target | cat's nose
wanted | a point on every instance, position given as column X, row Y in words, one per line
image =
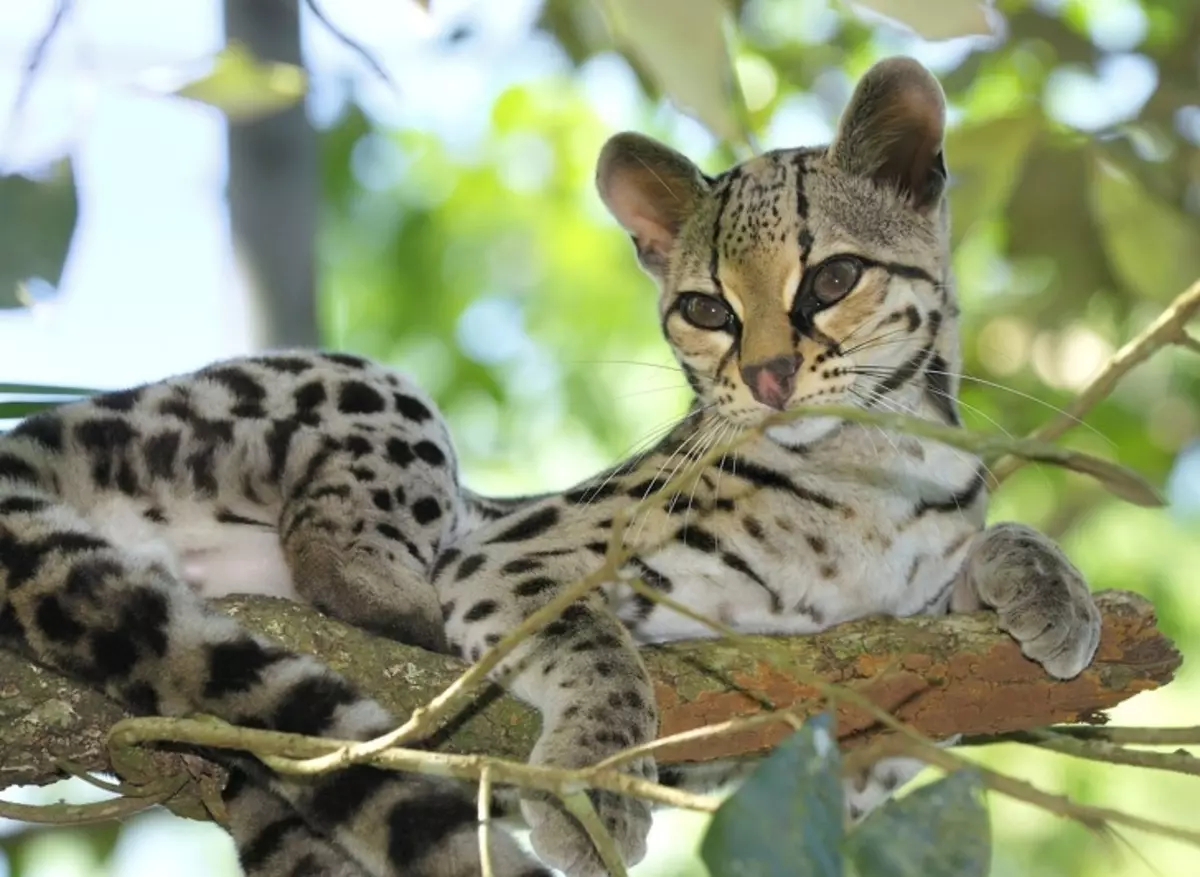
column 772, row 382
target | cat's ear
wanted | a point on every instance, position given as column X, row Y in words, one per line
column 651, row 190
column 892, row 131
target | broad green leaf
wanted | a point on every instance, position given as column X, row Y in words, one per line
column 245, row 88
column 37, row 221
column 985, row 161
column 1053, row 241
column 934, row 19
column 1152, row 246
column 681, row 44
column 786, row 819
column 939, row 830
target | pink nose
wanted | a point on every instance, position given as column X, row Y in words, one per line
column 773, row 381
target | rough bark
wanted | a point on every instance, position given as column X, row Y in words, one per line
column 944, row 675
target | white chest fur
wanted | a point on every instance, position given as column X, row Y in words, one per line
column 884, row 534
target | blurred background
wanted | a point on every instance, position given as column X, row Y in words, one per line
column 166, row 202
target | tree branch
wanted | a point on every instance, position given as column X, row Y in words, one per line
column 33, row 64
column 949, row 675
column 1167, row 329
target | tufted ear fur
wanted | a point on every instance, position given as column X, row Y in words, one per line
column 892, row 131
column 651, row 190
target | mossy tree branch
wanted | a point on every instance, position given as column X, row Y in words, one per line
column 949, row 675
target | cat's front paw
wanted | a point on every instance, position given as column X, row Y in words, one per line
column 557, row 837
column 1040, row 597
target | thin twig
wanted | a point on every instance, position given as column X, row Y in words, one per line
column 1061, row 805
column 351, row 43
column 485, row 821
column 708, row 732
column 1122, row 481
column 1183, row 736
column 80, row 773
column 33, row 64
column 579, row 805
column 94, row 812
column 293, row 754
column 1166, row 329
column 1190, row 342
column 1180, row 761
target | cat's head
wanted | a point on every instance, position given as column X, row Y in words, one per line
column 804, row 276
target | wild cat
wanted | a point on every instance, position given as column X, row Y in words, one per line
column 802, row 276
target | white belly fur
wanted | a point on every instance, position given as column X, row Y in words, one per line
column 214, row 559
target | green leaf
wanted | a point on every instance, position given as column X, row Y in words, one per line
column 934, row 19
column 37, row 221
column 985, row 161
column 40, row 390
column 681, row 45
column 939, row 830
column 1063, row 260
column 13, row 410
column 245, row 88
column 786, row 819
column 1152, row 246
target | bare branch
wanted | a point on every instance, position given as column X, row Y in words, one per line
column 33, row 64
column 940, row 675
column 1167, row 329
column 351, row 43
column 1189, row 342
column 1098, row 818
column 129, row 804
column 1180, row 761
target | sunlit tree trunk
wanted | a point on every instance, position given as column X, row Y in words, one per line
column 273, row 186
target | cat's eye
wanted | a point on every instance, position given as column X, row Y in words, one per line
column 705, row 311
column 835, row 278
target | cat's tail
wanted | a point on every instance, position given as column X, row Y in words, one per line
column 77, row 602
column 273, row 841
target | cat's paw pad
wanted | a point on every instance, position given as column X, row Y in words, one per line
column 1039, row 596
column 863, row 792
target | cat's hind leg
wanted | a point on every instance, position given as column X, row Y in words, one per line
column 79, row 603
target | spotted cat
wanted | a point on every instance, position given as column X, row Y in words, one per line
column 802, row 276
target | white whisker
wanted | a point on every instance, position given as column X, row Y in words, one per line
column 652, row 390
column 663, row 366
column 694, row 440
column 643, row 446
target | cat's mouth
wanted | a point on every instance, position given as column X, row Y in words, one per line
column 750, row 413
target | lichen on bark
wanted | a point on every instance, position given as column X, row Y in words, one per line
column 956, row 674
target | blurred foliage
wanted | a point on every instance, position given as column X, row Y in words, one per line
column 485, row 266
column 682, row 47
column 21, row 400
column 37, row 222
column 244, row 87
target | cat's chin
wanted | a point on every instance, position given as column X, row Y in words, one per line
column 802, row 430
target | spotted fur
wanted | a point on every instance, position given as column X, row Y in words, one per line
column 329, row 479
